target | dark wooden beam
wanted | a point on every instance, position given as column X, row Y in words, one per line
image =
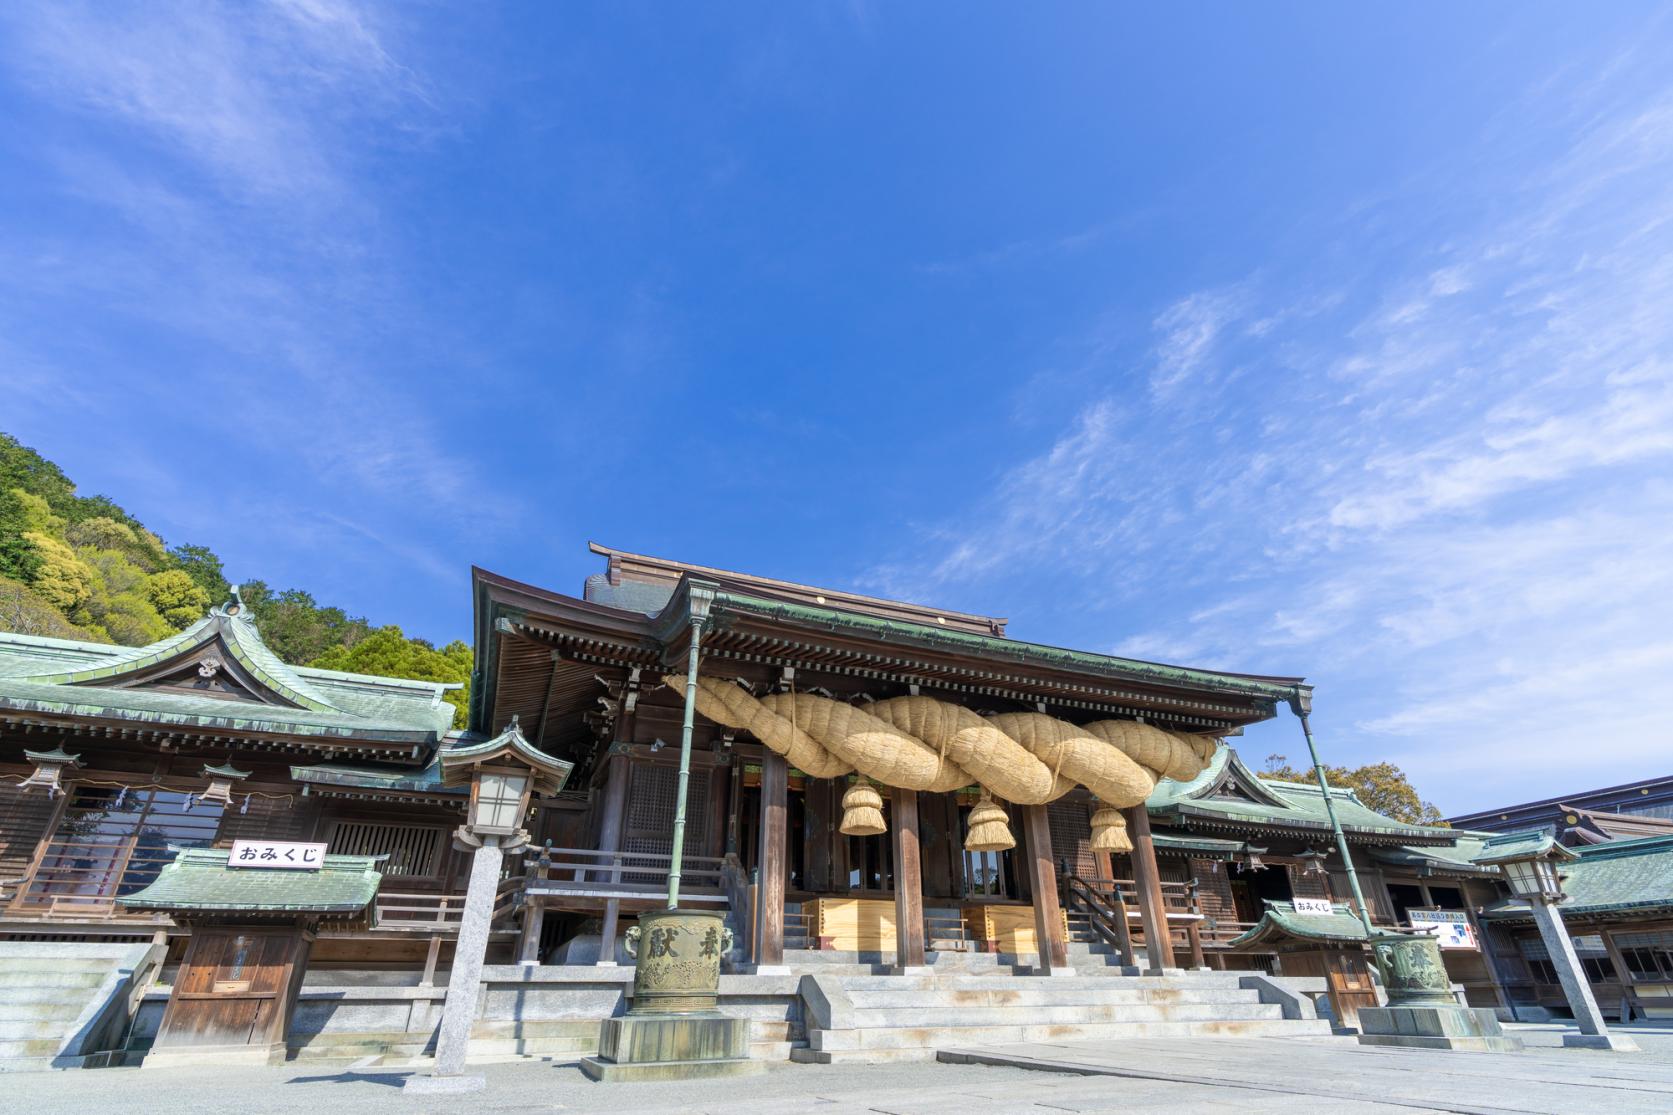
column 1042, row 883
column 909, row 880
column 769, row 893
column 1147, row 880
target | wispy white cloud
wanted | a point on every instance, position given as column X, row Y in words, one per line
column 1441, row 491
column 223, row 172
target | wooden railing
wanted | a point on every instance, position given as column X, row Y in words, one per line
column 582, row 871
column 950, row 931
column 434, row 912
column 1105, row 911
column 81, row 878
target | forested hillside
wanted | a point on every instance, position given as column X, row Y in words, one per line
column 81, row 567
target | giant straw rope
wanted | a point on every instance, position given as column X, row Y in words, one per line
column 920, row 743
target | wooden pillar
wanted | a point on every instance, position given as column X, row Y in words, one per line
column 534, row 921
column 616, row 776
column 1147, row 880
column 1629, row 992
column 1042, row 882
column 909, row 881
column 769, row 904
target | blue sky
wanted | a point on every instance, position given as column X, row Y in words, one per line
column 1272, row 338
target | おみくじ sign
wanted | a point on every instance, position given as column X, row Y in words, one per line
column 278, row 854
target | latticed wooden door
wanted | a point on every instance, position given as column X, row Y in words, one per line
column 649, row 825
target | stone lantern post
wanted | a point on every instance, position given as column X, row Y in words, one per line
column 1530, row 862
column 504, row 774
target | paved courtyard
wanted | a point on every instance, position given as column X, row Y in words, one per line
column 1232, row 1075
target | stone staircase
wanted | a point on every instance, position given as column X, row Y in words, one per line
column 67, row 1005
column 872, row 1018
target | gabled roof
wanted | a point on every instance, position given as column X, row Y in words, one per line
column 201, row 880
column 1228, row 796
column 1280, row 923
column 459, row 761
column 232, row 682
column 1593, row 826
column 1622, row 878
column 1503, row 847
column 1451, row 859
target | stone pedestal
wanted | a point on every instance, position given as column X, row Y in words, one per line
column 1436, row 1027
column 1421, row 1011
column 673, row 1031
column 672, row 1047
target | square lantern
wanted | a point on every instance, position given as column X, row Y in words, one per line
column 1531, row 863
column 499, row 801
column 504, row 774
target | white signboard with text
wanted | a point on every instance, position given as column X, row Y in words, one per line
column 277, row 854
column 1451, row 927
column 1313, row 906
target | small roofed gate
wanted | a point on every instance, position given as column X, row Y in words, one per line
column 235, row 987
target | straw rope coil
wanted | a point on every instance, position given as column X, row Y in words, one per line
column 920, row 743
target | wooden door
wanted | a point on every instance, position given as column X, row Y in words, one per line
column 1348, row 976
column 235, row 987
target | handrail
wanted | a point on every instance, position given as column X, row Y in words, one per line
column 616, row 870
column 1106, row 913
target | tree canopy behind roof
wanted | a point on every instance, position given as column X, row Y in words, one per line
column 82, row 567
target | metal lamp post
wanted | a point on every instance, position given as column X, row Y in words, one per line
column 1531, row 864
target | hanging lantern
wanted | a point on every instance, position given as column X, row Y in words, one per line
column 221, row 779
column 1313, row 863
column 1109, row 830
column 49, row 771
column 990, row 828
column 862, row 810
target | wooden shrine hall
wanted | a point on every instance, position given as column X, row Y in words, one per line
column 867, row 776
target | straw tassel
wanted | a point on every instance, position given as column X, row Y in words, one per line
column 1109, row 830
column 990, row 829
column 862, row 810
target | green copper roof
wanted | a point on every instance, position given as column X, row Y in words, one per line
column 1280, row 923
column 62, row 677
column 1215, row 797
column 1455, row 857
column 1503, row 847
column 200, row 879
column 1621, row 877
column 999, row 647
column 1209, row 845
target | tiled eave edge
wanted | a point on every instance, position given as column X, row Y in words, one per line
column 1183, row 815
column 412, row 745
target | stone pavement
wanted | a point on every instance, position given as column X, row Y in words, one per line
column 1176, row 1076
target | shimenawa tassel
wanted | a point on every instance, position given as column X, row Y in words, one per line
column 1109, row 830
column 862, row 810
column 990, row 829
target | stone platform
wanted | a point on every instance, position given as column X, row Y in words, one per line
column 672, row 1047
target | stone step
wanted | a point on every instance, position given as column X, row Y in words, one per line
column 1187, row 981
column 29, row 1048
column 49, row 1014
column 861, row 1045
column 13, row 963
column 1078, row 1014
column 38, row 1029
column 33, row 996
column 1043, row 996
column 52, row 978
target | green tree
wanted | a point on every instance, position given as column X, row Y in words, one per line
column 204, row 568
column 1381, row 786
column 22, row 467
column 19, row 560
column 387, row 652
column 177, row 598
column 62, row 578
column 295, row 627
